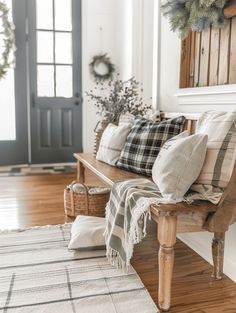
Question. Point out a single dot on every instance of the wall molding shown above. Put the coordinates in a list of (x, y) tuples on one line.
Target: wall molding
[(213, 95)]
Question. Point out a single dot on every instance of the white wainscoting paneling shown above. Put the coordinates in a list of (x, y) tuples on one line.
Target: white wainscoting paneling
[(213, 95)]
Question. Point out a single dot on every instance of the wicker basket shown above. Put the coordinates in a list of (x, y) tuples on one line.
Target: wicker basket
[(99, 129), (84, 202)]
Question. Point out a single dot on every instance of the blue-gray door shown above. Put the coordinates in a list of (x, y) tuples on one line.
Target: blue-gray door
[(55, 79)]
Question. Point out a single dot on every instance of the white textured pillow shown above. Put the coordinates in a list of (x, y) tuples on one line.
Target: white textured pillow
[(179, 164), (87, 232), (112, 143)]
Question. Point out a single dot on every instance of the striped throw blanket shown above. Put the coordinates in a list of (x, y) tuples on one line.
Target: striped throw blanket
[(126, 217)]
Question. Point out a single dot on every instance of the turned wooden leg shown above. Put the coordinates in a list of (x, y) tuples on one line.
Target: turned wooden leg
[(167, 237), (80, 172), (218, 244)]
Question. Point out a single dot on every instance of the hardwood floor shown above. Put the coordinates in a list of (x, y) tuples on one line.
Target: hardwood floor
[(38, 200)]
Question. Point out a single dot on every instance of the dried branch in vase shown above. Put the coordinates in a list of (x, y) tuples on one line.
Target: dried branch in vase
[(118, 97)]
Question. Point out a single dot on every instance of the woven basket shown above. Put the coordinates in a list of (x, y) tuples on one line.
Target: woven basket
[(99, 129), (84, 203)]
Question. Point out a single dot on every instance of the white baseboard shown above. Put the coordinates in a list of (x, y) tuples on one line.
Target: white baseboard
[(203, 248)]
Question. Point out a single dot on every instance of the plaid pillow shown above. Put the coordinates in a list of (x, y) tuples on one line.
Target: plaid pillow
[(145, 141)]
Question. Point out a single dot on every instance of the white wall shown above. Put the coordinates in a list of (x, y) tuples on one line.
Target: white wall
[(98, 30), (169, 82), (106, 28), (114, 27)]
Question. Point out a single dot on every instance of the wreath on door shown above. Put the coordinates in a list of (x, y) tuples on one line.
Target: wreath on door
[(7, 41)]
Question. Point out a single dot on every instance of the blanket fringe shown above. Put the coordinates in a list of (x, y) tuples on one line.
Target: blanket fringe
[(115, 259)]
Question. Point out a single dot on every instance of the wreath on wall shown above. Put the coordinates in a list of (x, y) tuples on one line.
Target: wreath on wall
[(101, 67), (7, 41), (194, 15)]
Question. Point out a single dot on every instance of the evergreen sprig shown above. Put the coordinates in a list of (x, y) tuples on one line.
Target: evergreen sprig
[(8, 40), (194, 15)]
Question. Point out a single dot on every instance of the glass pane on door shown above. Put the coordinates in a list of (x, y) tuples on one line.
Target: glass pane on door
[(63, 17), (45, 80), (63, 48), (64, 81), (45, 47), (44, 10)]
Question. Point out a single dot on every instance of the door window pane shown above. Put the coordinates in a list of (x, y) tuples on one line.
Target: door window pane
[(64, 81), (63, 48), (45, 80), (45, 47), (44, 14), (63, 17)]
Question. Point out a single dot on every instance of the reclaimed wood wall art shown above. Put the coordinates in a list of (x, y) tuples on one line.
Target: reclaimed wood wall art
[(209, 58)]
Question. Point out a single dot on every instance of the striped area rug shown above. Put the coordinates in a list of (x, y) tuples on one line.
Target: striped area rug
[(39, 274)]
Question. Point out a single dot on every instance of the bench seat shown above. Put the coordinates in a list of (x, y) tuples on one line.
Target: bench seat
[(111, 174)]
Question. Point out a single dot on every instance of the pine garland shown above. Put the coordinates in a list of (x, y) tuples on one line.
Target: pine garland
[(194, 15), (8, 40)]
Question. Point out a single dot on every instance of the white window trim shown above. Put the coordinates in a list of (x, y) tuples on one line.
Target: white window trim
[(213, 95)]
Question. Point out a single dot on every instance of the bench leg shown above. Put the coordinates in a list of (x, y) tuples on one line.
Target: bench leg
[(218, 244), (80, 172), (167, 237)]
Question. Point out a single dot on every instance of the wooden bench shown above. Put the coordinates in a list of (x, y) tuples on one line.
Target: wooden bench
[(175, 218)]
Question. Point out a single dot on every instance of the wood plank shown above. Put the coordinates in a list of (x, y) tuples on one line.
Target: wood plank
[(232, 68), (204, 59), (230, 9), (183, 208), (192, 60), (185, 58), (110, 174), (198, 37), (224, 55), (214, 57)]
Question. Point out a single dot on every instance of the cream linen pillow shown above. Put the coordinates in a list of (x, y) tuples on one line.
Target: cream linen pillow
[(179, 164), (87, 232), (112, 143), (221, 147)]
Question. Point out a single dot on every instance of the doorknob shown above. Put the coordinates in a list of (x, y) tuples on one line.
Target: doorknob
[(78, 98)]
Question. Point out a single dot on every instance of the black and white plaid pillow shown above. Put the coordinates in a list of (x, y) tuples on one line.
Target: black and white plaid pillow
[(145, 141)]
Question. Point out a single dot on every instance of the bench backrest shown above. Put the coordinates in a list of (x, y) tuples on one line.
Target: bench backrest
[(191, 119), (225, 215)]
